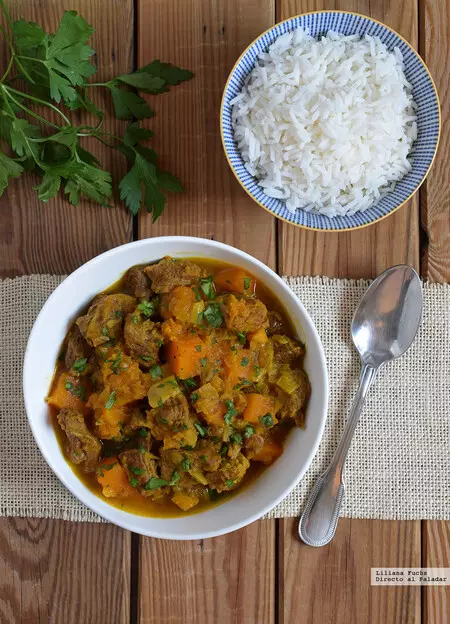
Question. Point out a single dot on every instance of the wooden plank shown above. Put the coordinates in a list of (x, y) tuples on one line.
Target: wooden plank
[(359, 544), (55, 571), (435, 218), (332, 583), (435, 554), (206, 37), (58, 237), (214, 580)]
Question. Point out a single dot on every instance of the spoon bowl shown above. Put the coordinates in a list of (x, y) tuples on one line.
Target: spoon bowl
[(388, 316)]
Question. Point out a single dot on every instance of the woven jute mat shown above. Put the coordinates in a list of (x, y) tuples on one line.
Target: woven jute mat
[(399, 461)]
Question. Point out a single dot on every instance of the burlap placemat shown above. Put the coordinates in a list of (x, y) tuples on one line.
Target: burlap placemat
[(399, 462)]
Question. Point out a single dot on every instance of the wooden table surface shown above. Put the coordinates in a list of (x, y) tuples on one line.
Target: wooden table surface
[(56, 571)]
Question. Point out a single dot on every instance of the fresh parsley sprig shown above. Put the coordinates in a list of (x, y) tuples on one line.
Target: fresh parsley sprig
[(56, 69)]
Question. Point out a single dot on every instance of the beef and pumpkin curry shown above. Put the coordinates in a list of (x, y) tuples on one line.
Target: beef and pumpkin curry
[(177, 386)]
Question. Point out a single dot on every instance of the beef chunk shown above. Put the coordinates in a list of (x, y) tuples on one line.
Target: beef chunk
[(140, 466), (104, 319), (207, 455), (286, 350), (253, 445), (82, 446), (230, 473), (293, 404), (172, 469), (173, 423), (76, 348), (143, 339), (168, 273), (243, 315), (276, 323), (137, 283)]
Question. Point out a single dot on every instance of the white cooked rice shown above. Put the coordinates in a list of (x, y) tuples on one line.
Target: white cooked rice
[(326, 125)]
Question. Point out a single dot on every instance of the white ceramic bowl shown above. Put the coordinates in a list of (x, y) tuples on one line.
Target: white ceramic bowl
[(44, 343)]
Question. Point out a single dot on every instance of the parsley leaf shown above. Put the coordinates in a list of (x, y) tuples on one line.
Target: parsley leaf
[(148, 307), (155, 483), (207, 286), (242, 337), (185, 463), (230, 413), (236, 438), (249, 431), (229, 483), (155, 371), (137, 471), (111, 400), (202, 431), (244, 361), (247, 282), (267, 420), (203, 362), (213, 315), (80, 365)]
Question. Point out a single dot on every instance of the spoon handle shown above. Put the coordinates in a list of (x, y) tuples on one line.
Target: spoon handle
[(319, 520)]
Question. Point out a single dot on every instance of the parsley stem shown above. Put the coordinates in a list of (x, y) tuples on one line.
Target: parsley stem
[(43, 103), (8, 69), (13, 52), (29, 111), (6, 14)]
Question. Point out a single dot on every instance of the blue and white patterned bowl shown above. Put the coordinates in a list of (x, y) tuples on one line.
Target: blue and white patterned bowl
[(424, 93)]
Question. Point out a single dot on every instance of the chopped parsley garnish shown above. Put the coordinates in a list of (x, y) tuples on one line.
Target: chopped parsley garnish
[(160, 403), (194, 396), (80, 365), (231, 411), (244, 361), (185, 463), (105, 332), (236, 438), (137, 471), (143, 432), (224, 450), (148, 307), (202, 431), (159, 343), (116, 362), (247, 282), (190, 382), (257, 370), (134, 482), (213, 495), (162, 420), (175, 478), (111, 400), (198, 348), (135, 319), (229, 483), (199, 318), (103, 467), (203, 362), (197, 294), (233, 348), (147, 358), (213, 315), (154, 483), (78, 391), (203, 458), (155, 371), (266, 420), (118, 314), (206, 284), (249, 431), (242, 337)]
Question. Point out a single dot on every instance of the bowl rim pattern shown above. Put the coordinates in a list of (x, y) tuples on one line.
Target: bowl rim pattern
[(222, 113)]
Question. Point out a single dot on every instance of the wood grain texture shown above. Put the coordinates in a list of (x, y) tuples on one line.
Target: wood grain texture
[(55, 571), (206, 37), (436, 554), (332, 584), (228, 579), (58, 237), (359, 545), (368, 251), (435, 193), (231, 578), (63, 573), (435, 218)]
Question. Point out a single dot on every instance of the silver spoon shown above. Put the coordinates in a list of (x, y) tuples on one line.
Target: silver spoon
[(383, 328)]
